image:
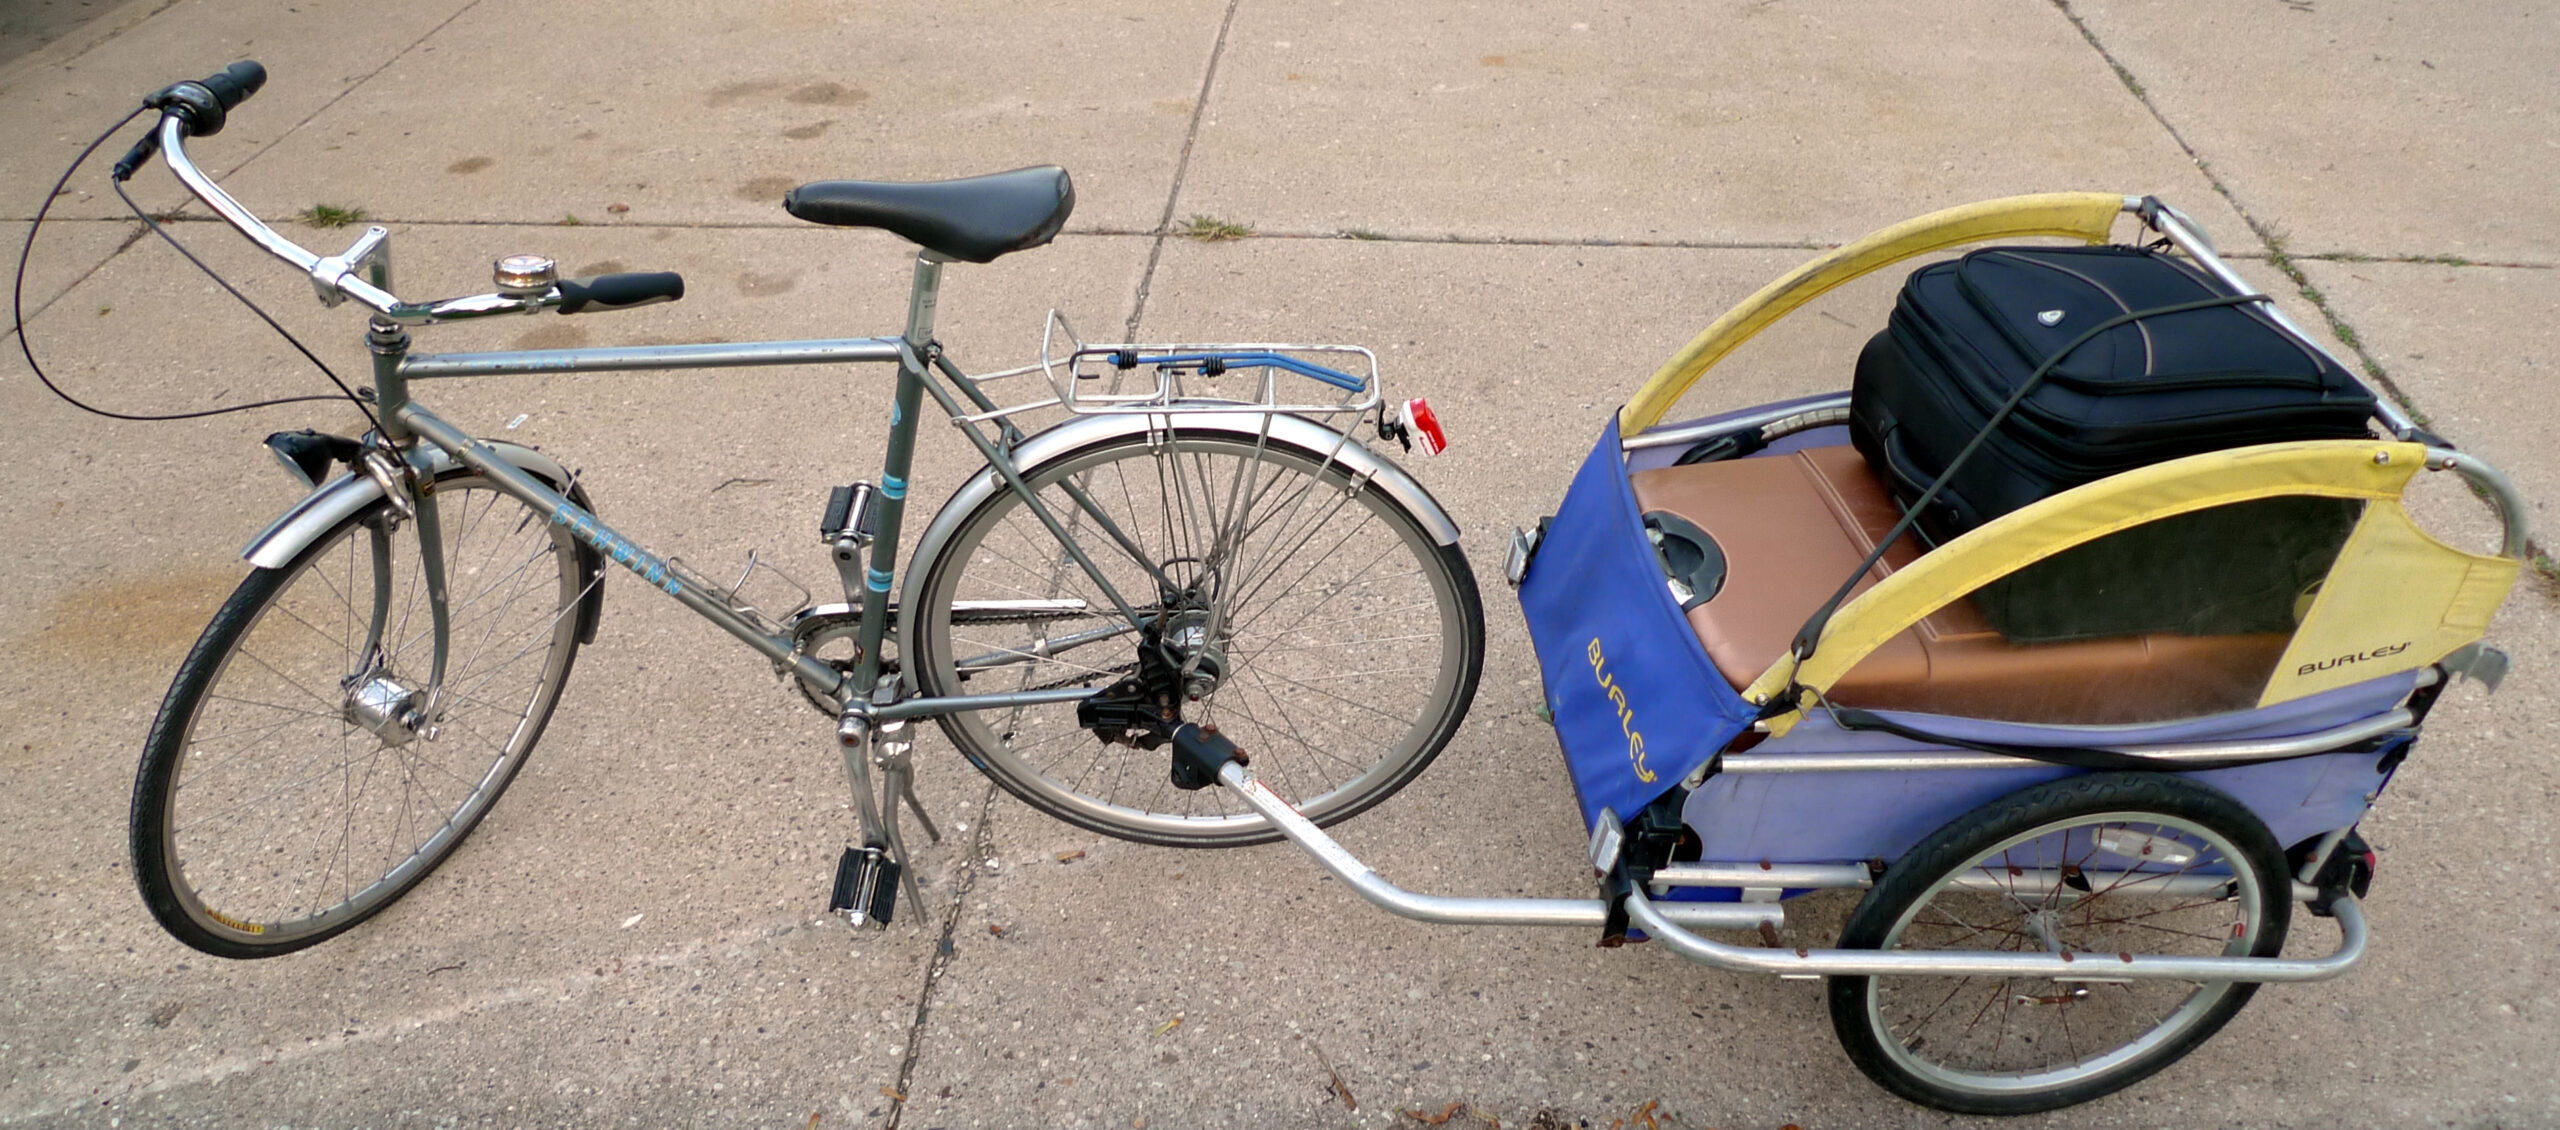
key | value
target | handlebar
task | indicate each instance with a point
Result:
(619, 292)
(204, 106)
(199, 109)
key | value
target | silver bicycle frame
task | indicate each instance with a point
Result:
(405, 417)
(363, 273)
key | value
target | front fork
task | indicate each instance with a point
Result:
(375, 697)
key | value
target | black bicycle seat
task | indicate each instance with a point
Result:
(973, 219)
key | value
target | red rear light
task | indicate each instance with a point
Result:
(1416, 416)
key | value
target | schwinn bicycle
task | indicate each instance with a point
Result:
(1198, 556)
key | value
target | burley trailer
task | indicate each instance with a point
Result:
(2082, 850)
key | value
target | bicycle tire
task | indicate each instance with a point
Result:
(1417, 636)
(256, 743)
(2191, 846)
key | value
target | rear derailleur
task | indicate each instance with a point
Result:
(1144, 710)
(1139, 711)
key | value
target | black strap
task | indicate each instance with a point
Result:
(1810, 635)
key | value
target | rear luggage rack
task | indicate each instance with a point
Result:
(1178, 378)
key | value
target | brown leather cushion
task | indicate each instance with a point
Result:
(1793, 525)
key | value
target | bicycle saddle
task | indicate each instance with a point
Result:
(973, 219)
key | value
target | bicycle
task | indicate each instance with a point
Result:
(1168, 567)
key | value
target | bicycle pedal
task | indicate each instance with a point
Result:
(851, 511)
(866, 887)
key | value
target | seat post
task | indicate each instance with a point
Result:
(920, 305)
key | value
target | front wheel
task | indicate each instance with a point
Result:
(1281, 599)
(2101, 864)
(305, 770)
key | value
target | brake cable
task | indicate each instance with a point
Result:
(17, 307)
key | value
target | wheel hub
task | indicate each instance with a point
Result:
(1199, 658)
(386, 705)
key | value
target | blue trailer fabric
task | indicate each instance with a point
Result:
(1636, 703)
(1851, 817)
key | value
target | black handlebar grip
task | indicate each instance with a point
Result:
(204, 106)
(236, 83)
(619, 292)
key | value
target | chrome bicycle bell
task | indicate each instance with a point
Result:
(526, 276)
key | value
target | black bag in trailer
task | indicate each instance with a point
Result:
(1966, 333)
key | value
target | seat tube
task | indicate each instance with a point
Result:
(879, 573)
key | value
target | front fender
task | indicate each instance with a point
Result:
(342, 497)
(1084, 431)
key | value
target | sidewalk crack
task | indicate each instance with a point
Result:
(352, 87)
(1181, 171)
(981, 846)
(2273, 240)
(2537, 555)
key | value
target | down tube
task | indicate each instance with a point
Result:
(617, 548)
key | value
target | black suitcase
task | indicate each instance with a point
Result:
(1966, 333)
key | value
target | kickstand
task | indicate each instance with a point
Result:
(882, 852)
(898, 783)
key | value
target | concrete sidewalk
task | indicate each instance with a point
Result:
(1522, 207)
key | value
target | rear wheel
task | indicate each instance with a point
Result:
(303, 773)
(1304, 613)
(2101, 864)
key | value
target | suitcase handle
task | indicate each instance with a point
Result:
(1897, 467)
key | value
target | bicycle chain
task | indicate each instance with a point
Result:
(1129, 668)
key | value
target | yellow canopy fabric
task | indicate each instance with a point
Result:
(2079, 215)
(2394, 600)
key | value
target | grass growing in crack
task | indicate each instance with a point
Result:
(1210, 229)
(331, 216)
(571, 220)
(2275, 239)
(2446, 260)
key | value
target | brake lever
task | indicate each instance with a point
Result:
(138, 156)
(205, 105)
